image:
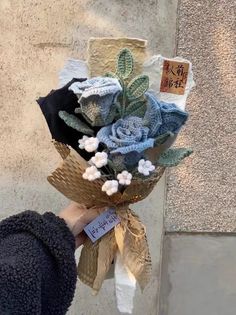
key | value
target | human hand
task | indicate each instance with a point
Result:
(77, 217)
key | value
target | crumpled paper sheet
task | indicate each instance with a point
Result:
(73, 69)
(102, 54)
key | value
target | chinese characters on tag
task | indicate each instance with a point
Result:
(174, 77)
(102, 224)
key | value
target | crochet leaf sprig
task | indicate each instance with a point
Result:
(172, 157)
(131, 99)
(136, 108)
(137, 87)
(75, 123)
(163, 138)
(125, 63)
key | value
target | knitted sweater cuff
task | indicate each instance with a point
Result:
(51, 230)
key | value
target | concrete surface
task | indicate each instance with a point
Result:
(202, 191)
(36, 38)
(198, 275)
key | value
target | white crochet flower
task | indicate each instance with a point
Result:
(145, 167)
(91, 144)
(91, 173)
(100, 159)
(124, 178)
(110, 187)
(82, 142)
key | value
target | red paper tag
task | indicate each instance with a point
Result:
(174, 77)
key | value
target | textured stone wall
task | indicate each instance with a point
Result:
(198, 269)
(202, 191)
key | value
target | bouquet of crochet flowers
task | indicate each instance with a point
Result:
(114, 136)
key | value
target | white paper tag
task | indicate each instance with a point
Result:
(102, 224)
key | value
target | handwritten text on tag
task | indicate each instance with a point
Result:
(174, 77)
(102, 224)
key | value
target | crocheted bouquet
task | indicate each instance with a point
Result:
(121, 134)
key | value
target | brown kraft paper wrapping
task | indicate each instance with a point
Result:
(128, 237)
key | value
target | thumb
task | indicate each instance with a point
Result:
(88, 216)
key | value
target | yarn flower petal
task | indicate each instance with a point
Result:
(145, 167)
(100, 159)
(91, 173)
(82, 142)
(91, 144)
(124, 178)
(110, 187)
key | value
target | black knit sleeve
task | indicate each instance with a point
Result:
(37, 265)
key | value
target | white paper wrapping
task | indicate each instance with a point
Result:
(125, 286)
(153, 68)
(73, 69)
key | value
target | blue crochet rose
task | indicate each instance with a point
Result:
(162, 117)
(96, 97)
(126, 135)
(134, 134)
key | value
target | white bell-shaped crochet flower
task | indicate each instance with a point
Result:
(91, 173)
(110, 187)
(145, 167)
(82, 142)
(91, 144)
(100, 159)
(124, 178)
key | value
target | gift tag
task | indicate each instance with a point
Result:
(102, 224)
(174, 77)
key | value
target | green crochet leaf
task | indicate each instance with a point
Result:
(172, 157)
(75, 123)
(136, 108)
(125, 62)
(163, 138)
(137, 87)
(111, 167)
(117, 163)
(112, 115)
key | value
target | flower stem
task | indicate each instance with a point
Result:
(123, 97)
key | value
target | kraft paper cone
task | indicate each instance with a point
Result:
(87, 267)
(129, 235)
(67, 178)
(132, 243)
(96, 260)
(106, 254)
(62, 149)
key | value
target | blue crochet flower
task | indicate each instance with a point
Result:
(162, 117)
(126, 135)
(96, 97)
(134, 134)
